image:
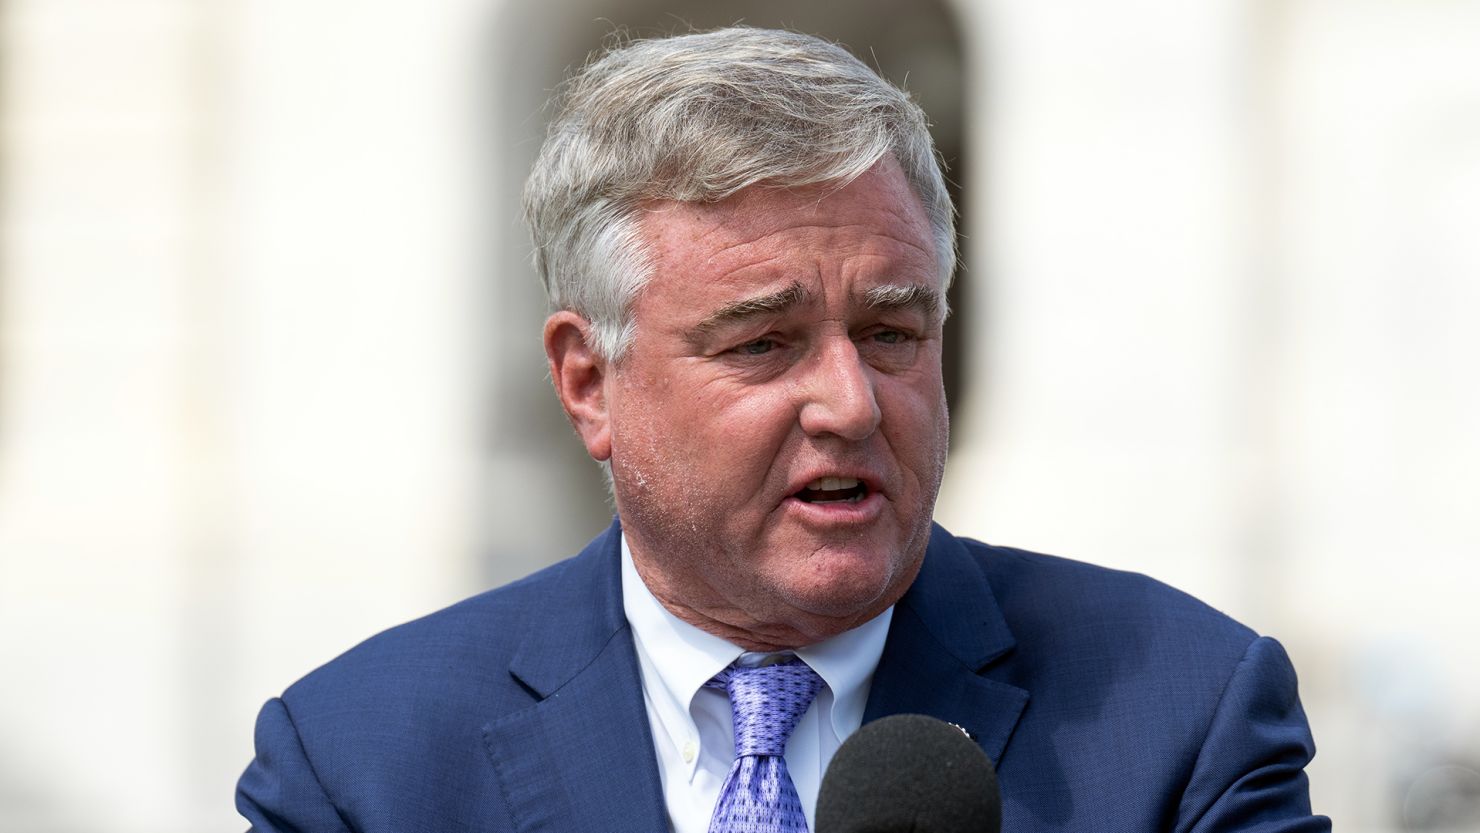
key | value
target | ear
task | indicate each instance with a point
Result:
(579, 374)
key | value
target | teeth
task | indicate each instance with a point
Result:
(833, 484)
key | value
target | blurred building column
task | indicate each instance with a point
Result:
(238, 376)
(99, 430)
(1107, 391)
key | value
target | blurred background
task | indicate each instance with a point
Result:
(270, 375)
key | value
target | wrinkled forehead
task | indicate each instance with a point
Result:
(878, 210)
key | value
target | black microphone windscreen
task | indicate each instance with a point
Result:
(909, 774)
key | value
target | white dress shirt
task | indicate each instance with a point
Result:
(692, 729)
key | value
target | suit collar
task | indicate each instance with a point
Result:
(955, 603)
(585, 747)
(579, 617)
(950, 597)
(947, 629)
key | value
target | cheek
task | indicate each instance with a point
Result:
(757, 428)
(713, 438)
(757, 413)
(644, 446)
(918, 425)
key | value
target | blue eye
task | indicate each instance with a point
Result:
(889, 337)
(759, 347)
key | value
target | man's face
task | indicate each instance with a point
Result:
(778, 428)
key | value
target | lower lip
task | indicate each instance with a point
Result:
(837, 513)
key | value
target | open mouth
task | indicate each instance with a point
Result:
(834, 490)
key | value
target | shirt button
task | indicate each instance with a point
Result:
(690, 750)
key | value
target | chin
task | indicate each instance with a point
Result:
(846, 585)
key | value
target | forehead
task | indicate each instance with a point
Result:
(872, 227)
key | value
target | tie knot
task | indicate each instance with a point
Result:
(767, 702)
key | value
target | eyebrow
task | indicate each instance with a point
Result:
(907, 296)
(748, 308)
(888, 297)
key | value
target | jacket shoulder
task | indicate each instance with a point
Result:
(391, 733)
(459, 652)
(1048, 592)
(1129, 678)
(1100, 623)
(407, 704)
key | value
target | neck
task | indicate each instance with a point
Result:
(741, 625)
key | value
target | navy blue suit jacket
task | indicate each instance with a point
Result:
(1108, 701)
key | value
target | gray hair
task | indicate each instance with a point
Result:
(697, 118)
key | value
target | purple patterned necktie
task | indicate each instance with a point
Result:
(758, 795)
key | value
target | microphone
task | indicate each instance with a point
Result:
(909, 774)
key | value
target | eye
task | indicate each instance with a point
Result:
(890, 348)
(759, 347)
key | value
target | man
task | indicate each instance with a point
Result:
(746, 241)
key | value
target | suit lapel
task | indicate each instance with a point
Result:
(945, 631)
(580, 759)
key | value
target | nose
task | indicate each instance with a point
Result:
(837, 396)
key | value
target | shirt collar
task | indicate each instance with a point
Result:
(846, 663)
(683, 658)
